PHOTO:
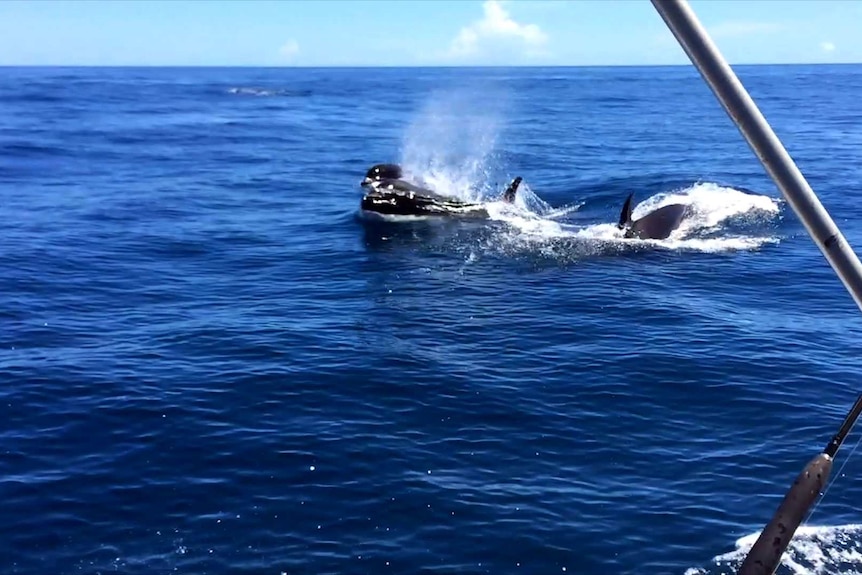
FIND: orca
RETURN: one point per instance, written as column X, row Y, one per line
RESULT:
column 656, row 225
column 390, row 195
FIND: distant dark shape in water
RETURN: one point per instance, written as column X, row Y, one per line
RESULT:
column 656, row 225
column 255, row 91
column 390, row 195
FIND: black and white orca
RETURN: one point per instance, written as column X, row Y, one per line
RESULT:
column 390, row 195
column 656, row 225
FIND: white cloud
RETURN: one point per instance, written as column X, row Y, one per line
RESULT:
column 289, row 50
column 827, row 47
column 495, row 28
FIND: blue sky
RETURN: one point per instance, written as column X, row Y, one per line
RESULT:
column 415, row 32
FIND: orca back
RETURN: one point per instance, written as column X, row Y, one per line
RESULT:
column 659, row 224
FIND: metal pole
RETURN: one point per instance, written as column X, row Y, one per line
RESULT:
column 703, row 53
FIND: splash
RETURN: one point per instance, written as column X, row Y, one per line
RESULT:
column 720, row 219
column 449, row 146
column 814, row 550
column 712, row 207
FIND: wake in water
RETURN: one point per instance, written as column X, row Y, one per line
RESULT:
column 812, row 551
column 719, row 219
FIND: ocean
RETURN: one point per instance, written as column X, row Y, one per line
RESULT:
column 213, row 363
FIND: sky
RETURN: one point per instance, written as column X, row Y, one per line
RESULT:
column 415, row 32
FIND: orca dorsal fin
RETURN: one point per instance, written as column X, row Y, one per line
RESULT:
column 509, row 194
column 626, row 213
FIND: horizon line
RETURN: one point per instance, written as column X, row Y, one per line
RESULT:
column 408, row 66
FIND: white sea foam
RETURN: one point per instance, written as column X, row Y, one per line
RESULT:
column 814, row 550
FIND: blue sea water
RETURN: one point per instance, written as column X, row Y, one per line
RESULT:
column 212, row 363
